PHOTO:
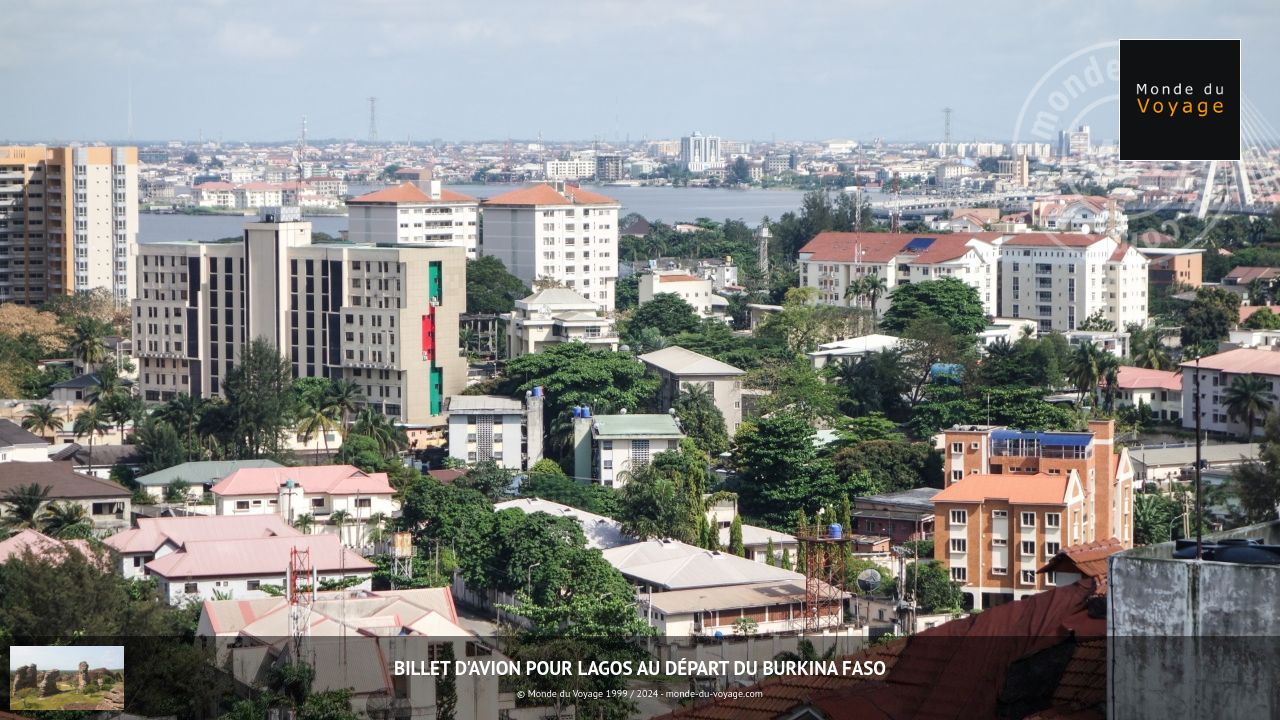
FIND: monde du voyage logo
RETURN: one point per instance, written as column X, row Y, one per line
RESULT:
column 1180, row 99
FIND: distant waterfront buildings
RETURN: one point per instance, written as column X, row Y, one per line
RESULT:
column 559, row 233
column 385, row 318
column 68, row 221
column 699, row 153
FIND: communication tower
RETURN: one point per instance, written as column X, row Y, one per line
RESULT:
column 823, row 549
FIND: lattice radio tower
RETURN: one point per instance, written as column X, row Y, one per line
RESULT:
column 946, row 126
column 823, row 550
column 302, row 582
column 373, row 119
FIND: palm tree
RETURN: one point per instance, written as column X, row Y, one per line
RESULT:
column 1148, row 348
column 1248, row 396
column 87, row 346
column 873, row 286
column 183, row 412
column 42, row 419
column 317, row 420
column 377, row 531
column 66, row 520
column 1111, row 376
column 121, row 408
column 91, row 421
column 855, row 289
column 370, row 421
column 304, row 523
column 345, row 397
column 1087, row 368
column 24, row 504
column 340, row 519
column 108, row 383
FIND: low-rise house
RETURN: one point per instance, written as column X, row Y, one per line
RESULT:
column 756, row 542
column 42, row 546
column 1160, row 391
column 370, row 631
column 851, row 350
column 902, row 516
column 1216, row 373
column 556, row 315
column 106, row 502
column 1113, row 342
column 237, row 569
column 602, row 532
column 102, row 461
column 695, row 290
column 1163, row 465
column 488, row 427
column 606, row 447
column 996, row 531
column 318, row 491
column 81, row 387
column 200, row 475
column 679, row 369
column 19, row 445
column 157, row 537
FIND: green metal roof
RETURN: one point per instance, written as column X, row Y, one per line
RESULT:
column 200, row 473
column 640, row 426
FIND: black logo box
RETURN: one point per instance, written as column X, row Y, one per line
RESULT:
column 1187, row 69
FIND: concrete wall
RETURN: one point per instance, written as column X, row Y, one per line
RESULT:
column 1193, row 639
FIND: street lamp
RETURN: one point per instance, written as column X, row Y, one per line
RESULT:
column 528, row 578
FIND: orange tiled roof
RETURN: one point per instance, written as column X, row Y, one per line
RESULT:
column 1088, row 559
column 678, row 278
column 833, row 246
column 544, row 194
column 1037, row 489
column 409, row 193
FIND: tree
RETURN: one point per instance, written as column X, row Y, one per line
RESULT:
column 66, row 520
column 949, row 299
column 258, row 392
column 1089, row 363
column 42, row 328
column 880, row 466
column 929, row 341
column 177, row 491
column 802, row 324
column 1248, row 397
column 304, row 523
column 794, row 386
column 361, row 451
column 1147, row 346
column 932, row 587
column 1098, row 322
column 23, row 505
column 735, row 537
column 874, row 383
column 488, row 478
column 1153, row 517
column 329, row 705
column 700, row 419
column 159, row 445
column 345, row 398
column 1262, row 319
column 547, row 481
column 1209, row 319
column 91, row 421
column 626, row 293
column 87, row 345
column 667, row 313
column 446, row 686
column 779, row 470
column 491, row 289
column 182, row 412
column 390, row 437
column 42, row 419
column 339, row 519
column 318, row 418
column 663, row 499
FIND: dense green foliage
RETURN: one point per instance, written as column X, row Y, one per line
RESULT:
column 949, row 299
column 491, row 289
column 780, row 470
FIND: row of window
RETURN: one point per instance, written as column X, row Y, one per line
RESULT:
column 1051, row 520
column 1027, row 577
column 1028, row 547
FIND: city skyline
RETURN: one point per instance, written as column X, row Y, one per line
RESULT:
column 607, row 70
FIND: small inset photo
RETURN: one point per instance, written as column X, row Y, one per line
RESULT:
column 66, row 677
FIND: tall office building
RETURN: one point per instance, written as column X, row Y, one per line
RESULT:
column 700, row 152
column 556, row 232
column 68, row 221
column 1075, row 143
column 385, row 318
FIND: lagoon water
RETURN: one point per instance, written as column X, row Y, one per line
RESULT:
column 669, row 204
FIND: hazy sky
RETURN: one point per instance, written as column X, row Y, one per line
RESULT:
column 67, row 657
column 570, row 69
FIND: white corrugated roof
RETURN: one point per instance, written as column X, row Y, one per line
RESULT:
column 676, row 566
column 601, row 532
column 679, row 361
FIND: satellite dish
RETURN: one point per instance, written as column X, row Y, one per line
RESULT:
column 869, row 579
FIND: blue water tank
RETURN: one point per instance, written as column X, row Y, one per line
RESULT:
column 586, row 411
column 537, row 391
column 835, row 531
column 577, row 411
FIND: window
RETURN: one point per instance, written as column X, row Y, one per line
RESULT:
column 253, row 584
column 957, row 475
column 999, row 542
column 1051, row 549
column 1028, row 577
column 606, row 444
column 191, row 588
column 999, row 514
column 137, row 561
column 1028, row 519
column 959, row 574
column 608, row 464
column 242, row 505
column 1028, row 547
column 1053, row 520
column 959, row 517
column 957, row 447
column 999, row 571
column 959, row 545
column 364, row 502
column 317, row 502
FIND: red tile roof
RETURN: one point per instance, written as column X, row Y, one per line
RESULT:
column 1244, row 274
column 678, row 278
column 1087, row 559
column 409, row 193
column 323, row 479
column 1037, row 489
column 1121, row 250
column 1241, row 361
column 544, row 194
column 1136, row 378
column 882, row 247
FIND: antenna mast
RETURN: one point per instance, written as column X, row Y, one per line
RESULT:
column 946, row 126
column 301, row 597
column 373, row 119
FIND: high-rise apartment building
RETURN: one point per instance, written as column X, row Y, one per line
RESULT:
column 68, row 221
column 700, row 152
column 556, row 232
column 385, row 318
column 412, row 215
column 1059, row 280
column 1075, row 143
column 1014, row 498
column 609, row 168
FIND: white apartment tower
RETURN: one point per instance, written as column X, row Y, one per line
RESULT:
column 408, row 215
column 556, row 232
column 68, row 221
column 1061, row 279
column 383, row 317
column 700, row 152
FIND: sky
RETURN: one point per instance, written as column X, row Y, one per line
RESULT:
column 66, row 657
column 574, row 69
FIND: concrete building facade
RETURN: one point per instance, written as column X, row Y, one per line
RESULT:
column 607, row 447
column 385, row 318
column 501, row 429
column 556, row 315
column 1062, row 279
column 556, row 232
column 408, row 215
column 679, row 369
column 1216, row 373
column 68, row 221
column 696, row 291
